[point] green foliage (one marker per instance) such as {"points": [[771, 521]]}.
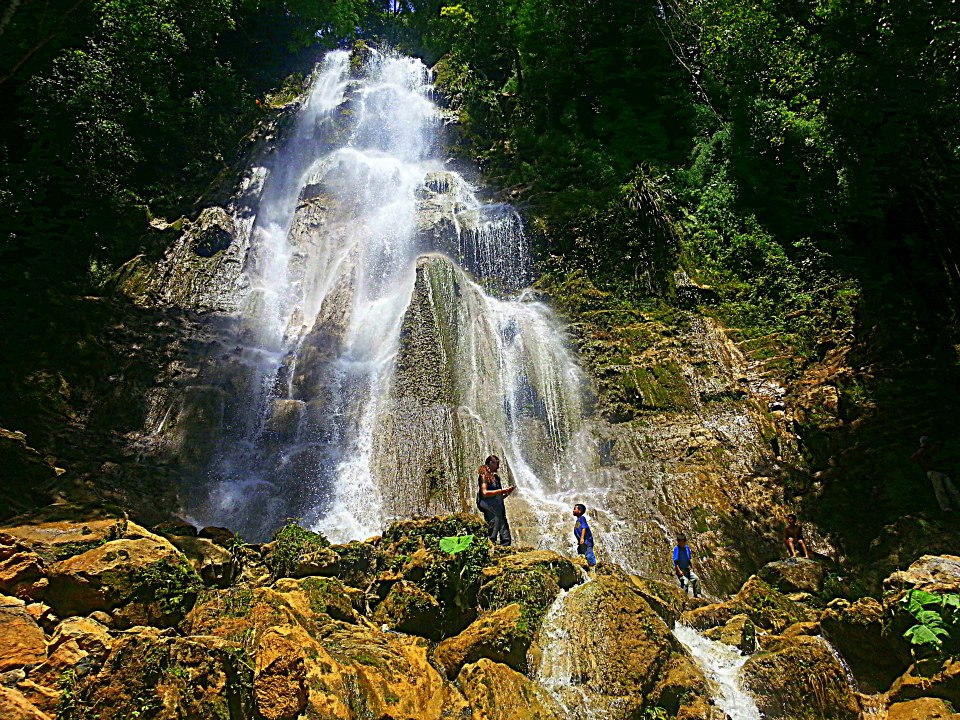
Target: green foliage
{"points": [[67, 701], [456, 544], [237, 601], [937, 627], [291, 544], [171, 583]]}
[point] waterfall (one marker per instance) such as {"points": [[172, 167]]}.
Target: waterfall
{"points": [[386, 342], [721, 664]]}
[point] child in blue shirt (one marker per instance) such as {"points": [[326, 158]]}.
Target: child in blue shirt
{"points": [[584, 538], [683, 565]]}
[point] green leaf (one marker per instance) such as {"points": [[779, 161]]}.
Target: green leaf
{"points": [[922, 635], [916, 600], [930, 618], [455, 544]]}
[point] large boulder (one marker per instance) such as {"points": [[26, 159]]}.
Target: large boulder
{"points": [[608, 643], [145, 580], [800, 679], [929, 678], [215, 565], [683, 690], [22, 642], [794, 575], [739, 631], [767, 607], [499, 635], [498, 692], [857, 631], [409, 609], [668, 601], [931, 573]]}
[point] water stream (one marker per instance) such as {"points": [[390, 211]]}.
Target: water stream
{"points": [[721, 664]]}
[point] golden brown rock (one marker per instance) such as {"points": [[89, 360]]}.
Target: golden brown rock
{"points": [[800, 679], [929, 678], [922, 709], [104, 577], [22, 641], [616, 647], [496, 635], [167, 678], [497, 692], [408, 609], [683, 689], [20, 569], [280, 683], [14, 706]]}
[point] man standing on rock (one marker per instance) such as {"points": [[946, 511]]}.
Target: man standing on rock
{"points": [[490, 497], [943, 486], [793, 537], [581, 531], [683, 565]]}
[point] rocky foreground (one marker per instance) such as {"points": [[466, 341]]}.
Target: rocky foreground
{"points": [[104, 619]]}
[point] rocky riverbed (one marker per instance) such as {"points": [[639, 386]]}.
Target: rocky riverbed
{"points": [[105, 619]]}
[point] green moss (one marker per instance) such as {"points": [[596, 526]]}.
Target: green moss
{"points": [[68, 550], [365, 658], [291, 543], [237, 601], [171, 583]]}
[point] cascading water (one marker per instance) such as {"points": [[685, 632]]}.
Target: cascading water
{"points": [[378, 369]]}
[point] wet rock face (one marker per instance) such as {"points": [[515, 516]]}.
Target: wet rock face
{"points": [[498, 692], [801, 680], [857, 630]]}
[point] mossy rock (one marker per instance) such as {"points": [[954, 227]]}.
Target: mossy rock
{"points": [[408, 609]]}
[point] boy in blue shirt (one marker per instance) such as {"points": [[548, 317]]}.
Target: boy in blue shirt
{"points": [[682, 565], [581, 531]]}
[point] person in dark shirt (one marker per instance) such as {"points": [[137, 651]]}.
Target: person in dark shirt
{"points": [[583, 535], [490, 495], [793, 537], [683, 566], [943, 487]]}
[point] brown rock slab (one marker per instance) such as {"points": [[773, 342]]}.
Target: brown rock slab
{"points": [[922, 709], [14, 706], [800, 678], [498, 692], [931, 679], [495, 635], [794, 575], [280, 683], [22, 642]]}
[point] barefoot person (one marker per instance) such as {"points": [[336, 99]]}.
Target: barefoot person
{"points": [[793, 537], [583, 535], [490, 497]]}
